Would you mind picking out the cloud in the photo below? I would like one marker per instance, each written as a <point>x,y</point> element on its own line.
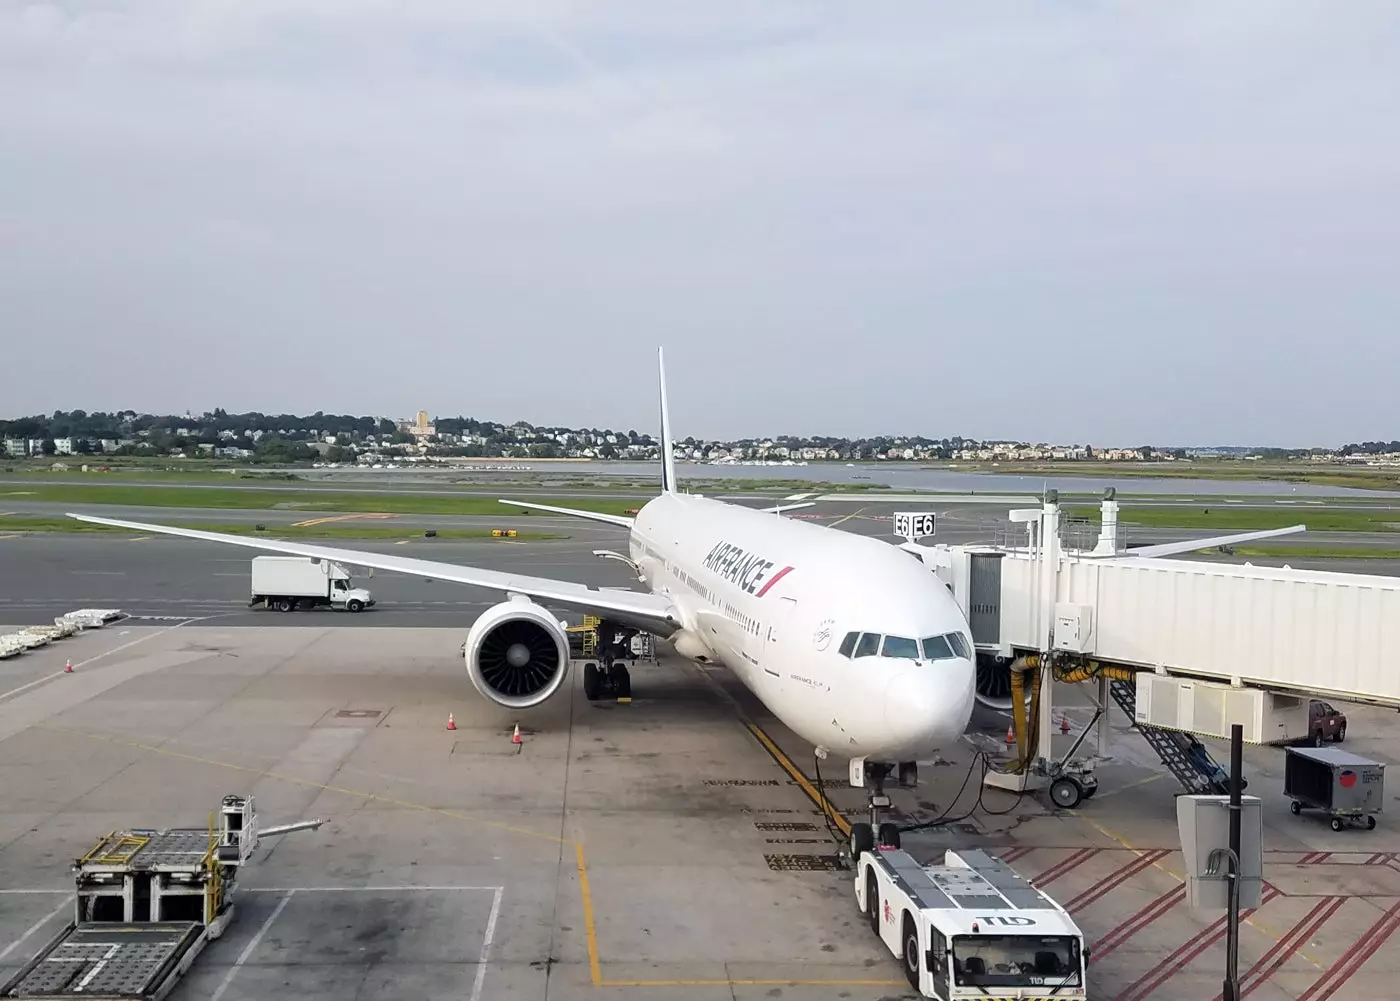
<point>1102,221</point>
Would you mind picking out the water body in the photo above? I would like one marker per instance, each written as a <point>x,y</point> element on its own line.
<point>909,476</point>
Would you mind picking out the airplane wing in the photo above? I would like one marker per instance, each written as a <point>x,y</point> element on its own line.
<point>785,507</point>
<point>1191,545</point>
<point>609,519</point>
<point>653,613</point>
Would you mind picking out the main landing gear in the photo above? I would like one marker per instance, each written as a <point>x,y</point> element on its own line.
<point>606,680</point>
<point>871,775</point>
<point>609,677</point>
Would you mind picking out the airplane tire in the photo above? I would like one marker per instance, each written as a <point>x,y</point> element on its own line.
<point>592,682</point>
<point>862,840</point>
<point>889,836</point>
<point>622,682</point>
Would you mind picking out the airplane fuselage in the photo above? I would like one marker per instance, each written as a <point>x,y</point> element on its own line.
<point>777,600</point>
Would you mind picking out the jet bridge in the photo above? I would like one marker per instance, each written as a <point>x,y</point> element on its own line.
<point>1187,647</point>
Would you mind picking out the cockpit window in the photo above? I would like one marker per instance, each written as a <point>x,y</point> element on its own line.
<point>869,645</point>
<point>937,648</point>
<point>899,646</point>
<point>848,644</point>
<point>961,645</point>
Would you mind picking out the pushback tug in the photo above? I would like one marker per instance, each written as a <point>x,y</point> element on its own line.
<point>971,927</point>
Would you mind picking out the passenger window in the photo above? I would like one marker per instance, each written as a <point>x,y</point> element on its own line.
<point>937,648</point>
<point>848,644</point>
<point>899,646</point>
<point>869,645</point>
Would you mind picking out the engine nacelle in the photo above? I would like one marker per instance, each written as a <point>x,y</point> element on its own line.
<point>517,654</point>
<point>994,682</point>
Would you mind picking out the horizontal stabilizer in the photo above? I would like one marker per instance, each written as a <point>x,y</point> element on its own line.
<point>607,519</point>
<point>1193,545</point>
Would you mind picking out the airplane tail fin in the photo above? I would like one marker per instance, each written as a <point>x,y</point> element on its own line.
<point>668,459</point>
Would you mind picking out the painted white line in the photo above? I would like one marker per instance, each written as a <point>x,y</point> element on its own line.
<point>98,573</point>
<point>91,660</point>
<point>248,949</point>
<point>480,980</point>
<point>67,899</point>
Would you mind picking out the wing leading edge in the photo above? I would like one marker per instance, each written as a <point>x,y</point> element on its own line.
<point>651,612</point>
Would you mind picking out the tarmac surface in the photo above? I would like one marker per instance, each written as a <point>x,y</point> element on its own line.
<point>666,847</point>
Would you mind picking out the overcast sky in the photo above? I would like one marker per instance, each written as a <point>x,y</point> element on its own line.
<point>1121,223</point>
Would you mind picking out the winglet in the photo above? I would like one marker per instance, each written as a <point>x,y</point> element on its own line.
<point>668,458</point>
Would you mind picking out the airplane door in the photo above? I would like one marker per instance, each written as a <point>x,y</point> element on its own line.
<point>782,619</point>
<point>781,624</point>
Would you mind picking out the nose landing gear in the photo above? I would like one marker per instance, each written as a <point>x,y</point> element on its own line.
<point>871,776</point>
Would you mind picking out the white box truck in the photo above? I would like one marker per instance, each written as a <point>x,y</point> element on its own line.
<point>289,582</point>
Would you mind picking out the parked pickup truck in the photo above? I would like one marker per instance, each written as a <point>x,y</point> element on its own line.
<point>289,582</point>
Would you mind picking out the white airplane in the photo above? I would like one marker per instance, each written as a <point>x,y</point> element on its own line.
<point>850,643</point>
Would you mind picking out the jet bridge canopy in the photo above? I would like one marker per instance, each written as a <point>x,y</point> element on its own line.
<point>1288,630</point>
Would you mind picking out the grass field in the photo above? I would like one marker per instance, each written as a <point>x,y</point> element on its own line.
<point>278,500</point>
<point>1234,519</point>
<point>1361,479</point>
<point>1319,552</point>
<point>341,531</point>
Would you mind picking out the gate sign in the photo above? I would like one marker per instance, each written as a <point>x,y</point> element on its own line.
<point>913,525</point>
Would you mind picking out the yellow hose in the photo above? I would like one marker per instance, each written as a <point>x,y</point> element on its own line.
<point>1021,714</point>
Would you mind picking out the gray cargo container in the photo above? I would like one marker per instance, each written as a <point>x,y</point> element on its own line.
<point>1346,786</point>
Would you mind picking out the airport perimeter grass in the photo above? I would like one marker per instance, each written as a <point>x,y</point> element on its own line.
<point>1236,519</point>
<point>280,500</point>
<point>1360,479</point>
<point>341,531</point>
<point>1318,552</point>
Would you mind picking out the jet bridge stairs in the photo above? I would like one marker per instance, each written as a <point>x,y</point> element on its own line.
<point>1184,755</point>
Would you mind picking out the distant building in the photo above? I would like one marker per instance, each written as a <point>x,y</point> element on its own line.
<point>419,428</point>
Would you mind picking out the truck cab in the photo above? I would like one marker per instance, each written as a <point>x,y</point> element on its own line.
<point>971,927</point>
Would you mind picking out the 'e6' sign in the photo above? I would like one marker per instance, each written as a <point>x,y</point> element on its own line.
<point>913,524</point>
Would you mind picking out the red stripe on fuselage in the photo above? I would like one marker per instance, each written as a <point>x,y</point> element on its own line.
<point>773,580</point>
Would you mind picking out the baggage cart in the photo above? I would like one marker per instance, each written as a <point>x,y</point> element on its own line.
<point>1347,787</point>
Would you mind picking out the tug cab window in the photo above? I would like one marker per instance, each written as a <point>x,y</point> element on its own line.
<point>899,646</point>
<point>848,644</point>
<point>868,645</point>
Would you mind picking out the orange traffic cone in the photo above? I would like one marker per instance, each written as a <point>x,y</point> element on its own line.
<point>451,723</point>
<point>1011,734</point>
<point>1064,724</point>
<point>515,737</point>
<point>68,667</point>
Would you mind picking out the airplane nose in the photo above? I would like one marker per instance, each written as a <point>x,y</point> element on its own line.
<point>929,705</point>
<point>911,704</point>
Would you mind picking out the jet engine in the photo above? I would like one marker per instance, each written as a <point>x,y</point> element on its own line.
<point>994,682</point>
<point>517,654</point>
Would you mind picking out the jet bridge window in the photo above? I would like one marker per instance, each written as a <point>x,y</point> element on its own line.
<point>848,644</point>
<point>900,646</point>
<point>868,645</point>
